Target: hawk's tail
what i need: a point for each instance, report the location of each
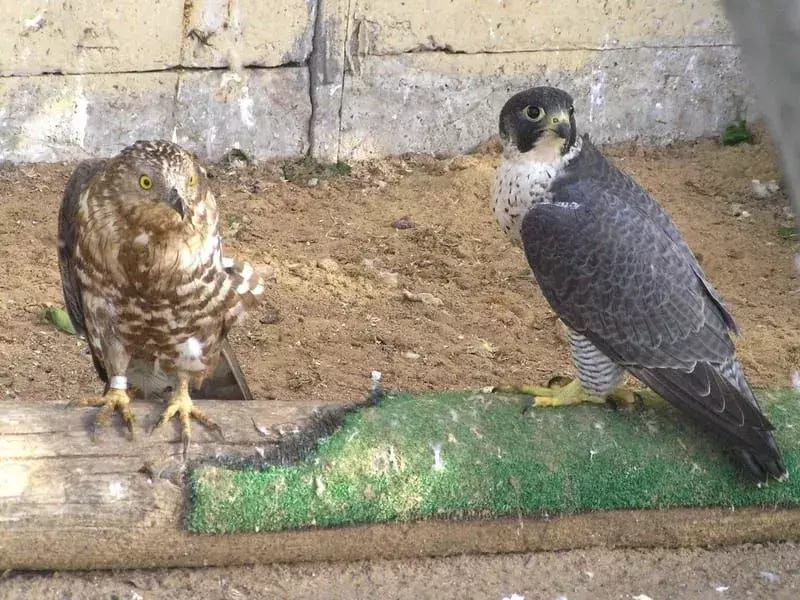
(247, 287)
(226, 382)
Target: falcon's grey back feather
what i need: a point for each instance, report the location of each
(614, 267)
(227, 381)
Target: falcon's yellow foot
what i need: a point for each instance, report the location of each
(180, 403)
(114, 400)
(570, 392)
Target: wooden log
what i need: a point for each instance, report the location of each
(69, 503)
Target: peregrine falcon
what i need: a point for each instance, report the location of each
(616, 270)
(144, 279)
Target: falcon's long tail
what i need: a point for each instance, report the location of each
(726, 408)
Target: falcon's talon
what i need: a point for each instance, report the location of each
(570, 394)
(525, 390)
(527, 405)
(558, 381)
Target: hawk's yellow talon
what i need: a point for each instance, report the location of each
(180, 403)
(114, 401)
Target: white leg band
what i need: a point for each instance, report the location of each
(118, 382)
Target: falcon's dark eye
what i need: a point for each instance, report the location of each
(533, 113)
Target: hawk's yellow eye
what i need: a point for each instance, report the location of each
(533, 113)
(193, 180)
(145, 182)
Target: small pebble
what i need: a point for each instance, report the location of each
(735, 254)
(769, 577)
(328, 264)
(424, 297)
(389, 278)
(403, 223)
(270, 318)
(313, 182)
(735, 209)
(759, 189)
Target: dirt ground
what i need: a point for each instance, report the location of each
(737, 573)
(337, 308)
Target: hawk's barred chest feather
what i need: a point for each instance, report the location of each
(521, 181)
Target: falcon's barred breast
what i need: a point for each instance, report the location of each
(616, 270)
(144, 278)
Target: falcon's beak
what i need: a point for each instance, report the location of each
(559, 123)
(174, 201)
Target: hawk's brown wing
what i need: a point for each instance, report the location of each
(68, 239)
(68, 242)
(227, 381)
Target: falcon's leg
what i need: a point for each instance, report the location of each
(597, 382)
(180, 403)
(574, 392)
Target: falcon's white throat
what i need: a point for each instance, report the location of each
(523, 179)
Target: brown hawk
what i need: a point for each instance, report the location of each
(144, 279)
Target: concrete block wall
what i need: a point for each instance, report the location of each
(352, 79)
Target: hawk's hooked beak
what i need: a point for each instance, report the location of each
(175, 202)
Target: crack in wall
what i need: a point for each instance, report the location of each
(173, 69)
(344, 72)
(447, 49)
(187, 7)
(315, 64)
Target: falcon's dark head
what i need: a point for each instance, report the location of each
(539, 118)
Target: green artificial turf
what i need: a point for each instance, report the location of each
(494, 461)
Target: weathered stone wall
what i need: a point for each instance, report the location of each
(351, 79)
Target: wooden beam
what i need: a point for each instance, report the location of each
(69, 503)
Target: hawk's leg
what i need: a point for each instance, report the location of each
(180, 403)
(116, 399)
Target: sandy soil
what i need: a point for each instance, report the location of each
(336, 310)
(336, 307)
(731, 574)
